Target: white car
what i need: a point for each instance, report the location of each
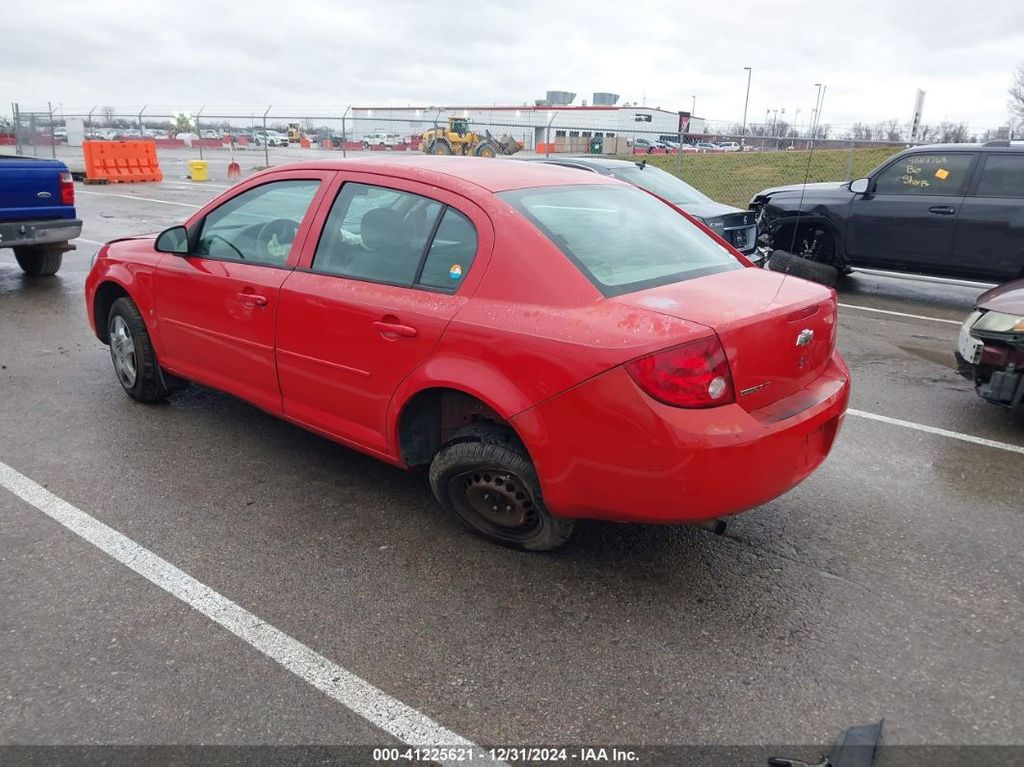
(272, 138)
(381, 139)
(729, 146)
(212, 134)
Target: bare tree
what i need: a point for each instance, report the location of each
(1016, 101)
(952, 133)
(108, 115)
(891, 130)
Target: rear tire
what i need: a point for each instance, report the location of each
(491, 487)
(439, 147)
(39, 261)
(798, 266)
(132, 353)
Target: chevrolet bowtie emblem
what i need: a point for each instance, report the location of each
(804, 337)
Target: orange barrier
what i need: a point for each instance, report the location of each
(121, 161)
(544, 148)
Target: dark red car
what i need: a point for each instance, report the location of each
(550, 345)
(990, 350)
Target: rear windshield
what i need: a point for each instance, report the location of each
(663, 184)
(620, 237)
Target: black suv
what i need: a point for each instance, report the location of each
(947, 209)
(733, 225)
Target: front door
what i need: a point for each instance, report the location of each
(216, 307)
(907, 218)
(383, 285)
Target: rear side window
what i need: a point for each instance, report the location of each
(926, 174)
(398, 238)
(620, 237)
(1002, 176)
(451, 253)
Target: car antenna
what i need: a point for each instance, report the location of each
(642, 164)
(807, 174)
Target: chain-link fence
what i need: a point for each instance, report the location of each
(729, 161)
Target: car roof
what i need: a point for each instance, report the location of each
(992, 146)
(592, 163)
(491, 174)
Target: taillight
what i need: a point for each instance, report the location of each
(67, 189)
(694, 374)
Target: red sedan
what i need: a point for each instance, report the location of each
(549, 345)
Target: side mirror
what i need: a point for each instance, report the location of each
(173, 240)
(860, 186)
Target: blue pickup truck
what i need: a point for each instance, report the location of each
(37, 212)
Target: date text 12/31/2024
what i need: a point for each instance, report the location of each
(509, 754)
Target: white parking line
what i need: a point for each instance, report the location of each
(940, 432)
(377, 707)
(89, 242)
(899, 314)
(135, 197)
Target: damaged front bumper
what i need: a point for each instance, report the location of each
(994, 362)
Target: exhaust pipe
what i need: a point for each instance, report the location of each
(716, 526)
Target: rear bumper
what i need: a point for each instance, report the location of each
(16, 234)
(605, 450)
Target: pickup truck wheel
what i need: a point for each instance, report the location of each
(38, 261)
(132, 353)
(491, 487)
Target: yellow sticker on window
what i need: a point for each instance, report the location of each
(942, 174)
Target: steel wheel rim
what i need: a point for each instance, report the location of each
(122, 352)
(497, 502)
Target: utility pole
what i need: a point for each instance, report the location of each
(746, 103)
(693, 105)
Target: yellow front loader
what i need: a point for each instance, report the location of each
(457, 138)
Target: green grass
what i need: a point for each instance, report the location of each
(733, 178)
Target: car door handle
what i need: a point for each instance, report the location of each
(942, 210)
(252, 300)
(395, 329)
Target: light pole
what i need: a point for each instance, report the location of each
(746, 103)
(817, 111)
(693, 105)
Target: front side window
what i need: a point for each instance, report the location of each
(932, 173)
(621, 238)
(258, 225)
(1002, 176)
(376, 234)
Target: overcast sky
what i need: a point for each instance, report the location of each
(318, 55)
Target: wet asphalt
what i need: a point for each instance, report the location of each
(889, 584)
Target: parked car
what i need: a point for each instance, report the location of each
(37, 212)
(707, 146)
(545, 344)
(990, 350)
(60, 134)
(948, 210)
(381, 139)
(270, 138)
(735, 226)
(211, 134)
(729, 146)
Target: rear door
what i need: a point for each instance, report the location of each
(216, 306)
(989, 238)
(393, 265)
(907, 218)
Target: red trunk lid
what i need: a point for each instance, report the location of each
(778, 332)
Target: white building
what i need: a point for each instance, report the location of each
(530, 124)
